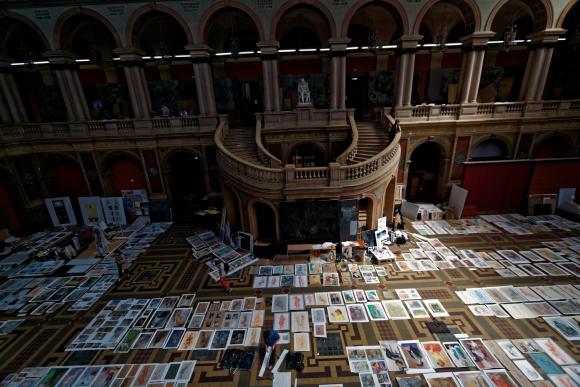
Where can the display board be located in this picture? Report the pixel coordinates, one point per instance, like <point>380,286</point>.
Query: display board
<point>60,211</point>
<point>91,209</point>
<point>309,221</point>
<point>114,211</point>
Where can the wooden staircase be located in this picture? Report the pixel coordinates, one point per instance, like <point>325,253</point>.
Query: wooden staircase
<point>372,139</point>
<point>242,143</point>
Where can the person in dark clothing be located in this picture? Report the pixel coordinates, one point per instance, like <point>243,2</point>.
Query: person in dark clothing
<point>270,340</point>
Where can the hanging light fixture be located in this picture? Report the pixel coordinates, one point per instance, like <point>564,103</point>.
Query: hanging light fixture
<point>234,40</point>
<point>509,37</point>
<point>441,37</point>
<point>373,42</point>
<point>27,56</point>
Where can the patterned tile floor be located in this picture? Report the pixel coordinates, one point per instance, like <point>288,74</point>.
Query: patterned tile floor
<point>167,269</point>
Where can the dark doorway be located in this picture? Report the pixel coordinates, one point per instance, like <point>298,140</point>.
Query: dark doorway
<point>490,149</point>
<point>305,156</point>
<point>266,221</point>
<point>187,184</point>
<point>424,173</point>
<point>357,95</point>
<point>248,101</point>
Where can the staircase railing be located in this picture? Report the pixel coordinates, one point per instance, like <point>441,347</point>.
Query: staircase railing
<point>241,168</point>
<point>266,157</point>
<point>350,152</point>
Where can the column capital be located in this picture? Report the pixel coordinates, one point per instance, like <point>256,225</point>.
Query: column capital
<point>61,57</point>
<point>409,42</point>
<point>338,44</point>
<point>129,54</point>
<point>547,36</point>
<point>198,51</point>
<point>268,46</point>
<point>477,39</point>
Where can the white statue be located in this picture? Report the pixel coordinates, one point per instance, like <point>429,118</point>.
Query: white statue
<point>303,92</point>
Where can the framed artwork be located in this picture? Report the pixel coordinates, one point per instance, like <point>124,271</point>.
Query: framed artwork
<point>480,354</point>
<point>60,211</point>
<point>114,210</point>
<point>302,342</point>
<point>356,313</point>
<point>91,210</point>
<point>281,321</point>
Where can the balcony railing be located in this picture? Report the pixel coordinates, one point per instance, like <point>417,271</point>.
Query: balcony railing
<point>284,180</point>
<point>305,118</point>
<point>486,110</point>
<point>154,126</point>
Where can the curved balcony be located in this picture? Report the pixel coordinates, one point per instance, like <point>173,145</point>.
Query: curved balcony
<point>336,179</point>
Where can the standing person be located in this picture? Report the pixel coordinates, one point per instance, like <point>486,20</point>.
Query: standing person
<point>224,268</point>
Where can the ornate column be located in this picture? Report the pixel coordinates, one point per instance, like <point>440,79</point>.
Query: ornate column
<point>132,61</point>
<point>405,69</point>
<point>538,64</point>
<point>66,72</point>
<point>200,56</point>
<point>269,54</point>
<point>338,72</point>
<point>474,46</point>
<point>11,107</point>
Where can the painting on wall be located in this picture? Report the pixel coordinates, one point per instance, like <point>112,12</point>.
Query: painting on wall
<point>381,88</point>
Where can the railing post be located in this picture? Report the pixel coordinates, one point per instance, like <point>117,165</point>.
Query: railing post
<point>289,170</point>
<point>334,174</point>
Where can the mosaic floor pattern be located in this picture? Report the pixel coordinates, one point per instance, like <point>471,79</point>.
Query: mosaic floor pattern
<point>167,269</point>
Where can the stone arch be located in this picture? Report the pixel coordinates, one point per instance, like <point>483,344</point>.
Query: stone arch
<point>427,170</point>
<point>234,208</point>
<point>46,159</point>
<point>361,3</point>
<point>29,23</point>
<point>172,152</point>
<point>389,198</point>
<point>223,4</point>
<point>442,147</point>
<point>503,139</point>
<point>552,136</point>
<point>313,3</point>
<point>534,5</point>
<point>131,22</point>
<point>565,12</point>
<point>106,158</point>
<point>253,220</point>
<point>469,9</point>
<point>82,11</point>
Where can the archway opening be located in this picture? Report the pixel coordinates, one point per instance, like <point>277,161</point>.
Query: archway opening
<point>106,93</point>
<point>424,172</point>
<point>232,205</point>
<point>551,148</point>
<point>370,83</point>
<point>563,81</point>
<point>265,221</point>
<point>503,72</point>
<point>389,200</point>
<point>237,83</point>
<point>38,88</point>
<point>365,214</point>
<point>303,27</point>
<point>444,22</point>
<point>12,210</point>
<point>123,172</point>
<point>187,183</point>
<point>161,36</point>
<point>306,155</point>
<point>490,149</point>
<point>64,177</point>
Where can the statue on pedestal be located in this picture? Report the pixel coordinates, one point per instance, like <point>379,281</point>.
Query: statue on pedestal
<point>303,93</point>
